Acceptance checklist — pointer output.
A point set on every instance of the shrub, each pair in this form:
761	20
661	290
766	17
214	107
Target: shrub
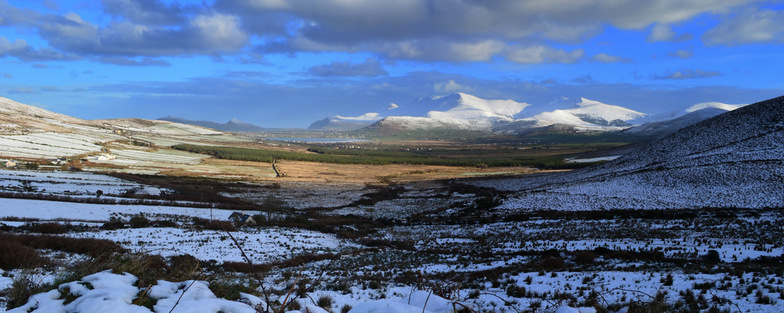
553	263
325	302
89	246
668	281
49	228
220	226
515	291
166	223
139	221
15	255
113	223
345	308
183	267
20	292
585	257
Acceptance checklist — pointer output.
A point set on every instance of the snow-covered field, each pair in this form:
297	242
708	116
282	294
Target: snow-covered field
262	245
491	251
69	183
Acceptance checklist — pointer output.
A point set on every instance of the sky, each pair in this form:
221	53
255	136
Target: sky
288	63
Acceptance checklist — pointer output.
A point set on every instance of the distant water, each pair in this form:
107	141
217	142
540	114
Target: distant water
319	140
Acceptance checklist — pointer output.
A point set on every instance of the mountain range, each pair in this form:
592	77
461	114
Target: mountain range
233	125
468	112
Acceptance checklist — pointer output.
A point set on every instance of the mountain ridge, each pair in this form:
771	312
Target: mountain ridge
462	111
233	125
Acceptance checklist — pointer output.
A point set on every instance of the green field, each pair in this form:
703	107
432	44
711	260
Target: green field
477	158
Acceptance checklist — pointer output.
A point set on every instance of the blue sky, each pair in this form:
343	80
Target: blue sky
288	63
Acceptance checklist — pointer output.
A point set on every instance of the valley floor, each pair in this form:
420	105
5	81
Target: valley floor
443	244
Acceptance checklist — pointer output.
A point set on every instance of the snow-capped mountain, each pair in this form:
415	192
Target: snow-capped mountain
458	111
344	123
573	115
587	114
568	115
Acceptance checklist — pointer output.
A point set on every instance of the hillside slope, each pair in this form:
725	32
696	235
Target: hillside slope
735	159
234	125
31	133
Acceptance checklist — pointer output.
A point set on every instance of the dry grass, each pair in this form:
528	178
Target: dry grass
89	246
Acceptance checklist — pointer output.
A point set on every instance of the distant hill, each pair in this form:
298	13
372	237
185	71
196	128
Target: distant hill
341	123
462	111
28	132
233	125
661	128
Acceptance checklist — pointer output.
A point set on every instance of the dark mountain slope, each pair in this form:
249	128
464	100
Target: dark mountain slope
735	159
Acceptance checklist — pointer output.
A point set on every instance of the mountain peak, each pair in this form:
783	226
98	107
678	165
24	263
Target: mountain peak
715	105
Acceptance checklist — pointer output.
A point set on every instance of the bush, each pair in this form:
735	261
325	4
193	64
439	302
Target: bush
113	223
20	292
325	302
89	246
553	263
220	226
139	221
166	223
668	280
585	257
14	255
183	267
515	291
49	228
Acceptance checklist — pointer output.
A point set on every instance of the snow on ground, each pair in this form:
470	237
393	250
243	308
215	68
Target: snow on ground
107	292
53	210
52	145
69	183
262	245
118	293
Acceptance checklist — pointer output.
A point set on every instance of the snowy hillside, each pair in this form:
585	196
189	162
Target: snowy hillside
731	160
18	118
31	133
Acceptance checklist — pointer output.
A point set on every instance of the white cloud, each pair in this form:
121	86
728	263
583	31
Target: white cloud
392	106
221	31
542	54
689	74
21	50
664	32
748	27
372	116
370	68
210	33
606	58
449	87
682	54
